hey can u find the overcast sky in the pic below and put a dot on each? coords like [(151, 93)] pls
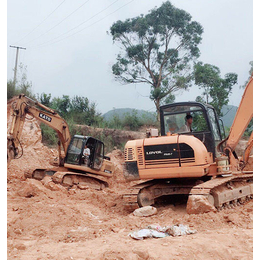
[(68, 50)]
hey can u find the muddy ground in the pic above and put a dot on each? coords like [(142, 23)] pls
[(48, 221)]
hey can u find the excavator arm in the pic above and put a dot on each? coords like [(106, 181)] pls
[(25, 106), (241, 121)]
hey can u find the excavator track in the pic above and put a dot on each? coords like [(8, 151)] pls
[(220, 192), (69, 179), (130, 198), (83, 181), (225, 192), (145, 193)]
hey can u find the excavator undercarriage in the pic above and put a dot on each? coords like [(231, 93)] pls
[(68, 178), (220, 192)]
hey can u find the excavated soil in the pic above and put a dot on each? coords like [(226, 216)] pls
[(48, 221)]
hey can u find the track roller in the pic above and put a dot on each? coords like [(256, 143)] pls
[(145, 197)]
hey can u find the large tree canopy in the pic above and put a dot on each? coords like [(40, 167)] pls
[(157, 50), (216, 89)]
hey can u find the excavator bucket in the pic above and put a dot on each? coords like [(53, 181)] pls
[(11, 151)]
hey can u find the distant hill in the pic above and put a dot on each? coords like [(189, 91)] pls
[(121, 112), (228, 111)]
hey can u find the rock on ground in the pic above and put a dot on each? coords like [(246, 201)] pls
[(145, 211), (199, 204)]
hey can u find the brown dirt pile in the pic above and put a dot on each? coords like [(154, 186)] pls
[(33, 153), (48, 221)]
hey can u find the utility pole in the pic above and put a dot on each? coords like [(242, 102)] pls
[(16, 60)]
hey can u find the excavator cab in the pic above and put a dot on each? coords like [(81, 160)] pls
[(75, 154), (205, 123)]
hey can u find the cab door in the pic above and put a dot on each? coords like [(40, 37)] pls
[(75, 149), (98, 155)]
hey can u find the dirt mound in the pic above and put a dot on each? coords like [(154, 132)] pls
[(117, 158)]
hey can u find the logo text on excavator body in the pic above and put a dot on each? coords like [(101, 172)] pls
[(45, 117)]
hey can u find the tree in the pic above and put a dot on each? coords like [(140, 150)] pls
[(78, 109), (84, 112), (158, 48), (62, 105), (216, 89), (132, 120), (11, 90), (45, 99), (250, 74), (22, 84)]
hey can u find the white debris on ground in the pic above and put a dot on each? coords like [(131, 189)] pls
[(157, 231)]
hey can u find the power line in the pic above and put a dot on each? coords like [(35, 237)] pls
[(78, 24), (42, 21), (59, 22), (90, 24)]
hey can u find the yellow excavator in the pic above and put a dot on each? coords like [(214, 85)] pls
[(72, 167), (191, 157)]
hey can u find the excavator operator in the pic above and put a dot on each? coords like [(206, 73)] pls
[(86, 154), (187, 126)]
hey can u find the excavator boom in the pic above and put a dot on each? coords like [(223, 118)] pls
[(25, 106), (243, 117)]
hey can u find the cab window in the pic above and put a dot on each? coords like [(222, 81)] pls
[(175, 122), (214, 123), (74, 151)]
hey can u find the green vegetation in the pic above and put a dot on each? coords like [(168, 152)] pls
[(159, 48), (22, 85), (216, 89), (79, 112), (250, 74), (249, 129), (129, 119)]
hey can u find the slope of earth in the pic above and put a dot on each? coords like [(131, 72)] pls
[(48, 221)]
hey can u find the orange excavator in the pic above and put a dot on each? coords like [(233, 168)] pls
[(192, 158), (72, 167)]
